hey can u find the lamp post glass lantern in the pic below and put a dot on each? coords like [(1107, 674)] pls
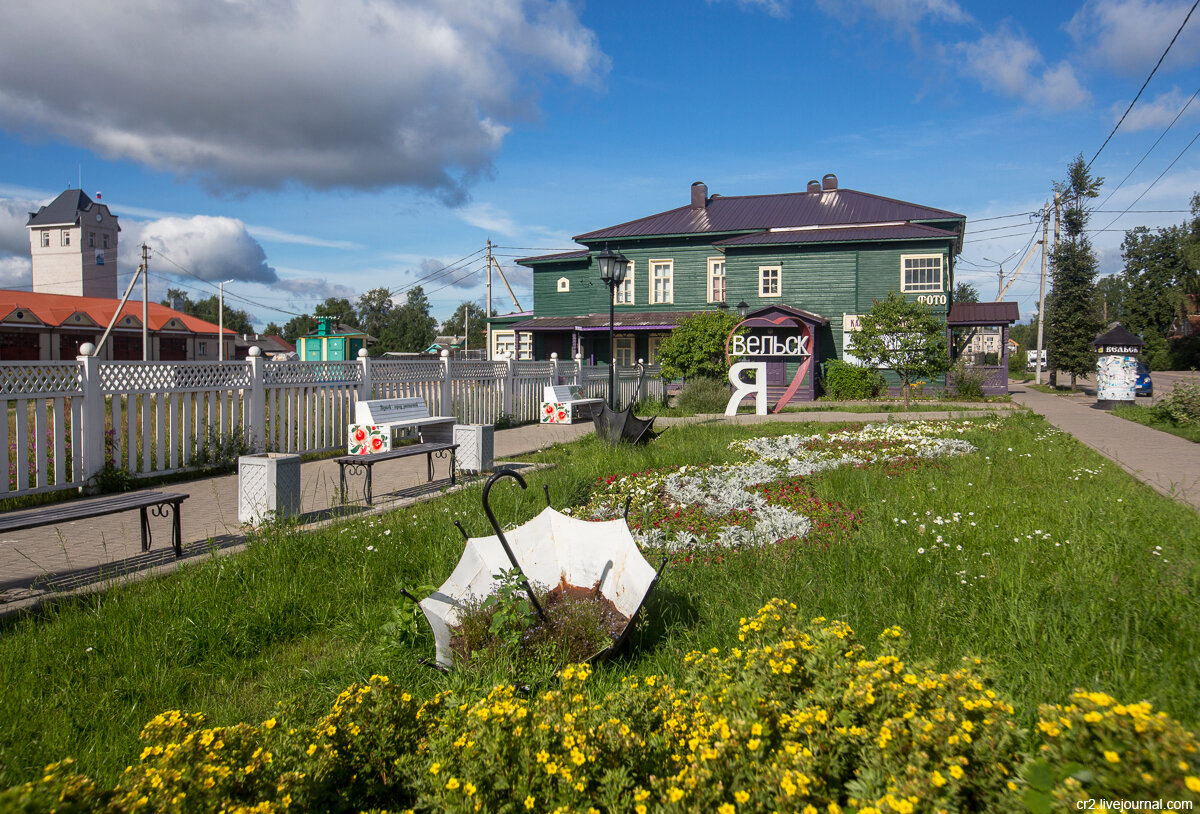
[(612, 271), (743, 309)]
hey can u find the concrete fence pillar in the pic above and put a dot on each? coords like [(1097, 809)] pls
[(507, 398), (366, 383), (554, 374), (256, 416), (447, 407), (94, 428)]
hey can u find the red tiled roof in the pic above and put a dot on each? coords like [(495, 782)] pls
[(55, 309)]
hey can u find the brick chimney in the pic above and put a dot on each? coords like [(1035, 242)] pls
[(814, 186), (829, 182), (699, 195)]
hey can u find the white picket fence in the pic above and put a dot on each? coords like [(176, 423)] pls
[(67, 421)]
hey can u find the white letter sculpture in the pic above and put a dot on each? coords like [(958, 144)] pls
[(742, 389)]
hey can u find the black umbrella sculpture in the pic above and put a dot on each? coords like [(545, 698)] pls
[(617, 426)]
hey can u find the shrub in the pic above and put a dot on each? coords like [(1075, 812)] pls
[(704, 395), (1181, 406), (964, 380), (847, 382), (696, 347)]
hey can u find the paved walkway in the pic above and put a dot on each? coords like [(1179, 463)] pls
[(84, 555), (1169, 464)]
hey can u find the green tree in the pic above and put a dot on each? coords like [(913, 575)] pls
[(272, 329), (206, 309), (965, 292), (415, 328), (696, 348), (1154, 276), (339, 308), (1109, 300), (1071, 321), (297, 327), (375, 312), (903, 336), (468, 315)]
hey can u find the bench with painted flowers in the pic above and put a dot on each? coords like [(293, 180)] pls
[(566, 404)]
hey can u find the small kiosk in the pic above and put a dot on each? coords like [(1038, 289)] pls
[(1116, 366)]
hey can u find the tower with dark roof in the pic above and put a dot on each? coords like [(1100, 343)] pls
[(73, 243)]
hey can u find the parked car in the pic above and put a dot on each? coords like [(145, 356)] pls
[(1144, 386)]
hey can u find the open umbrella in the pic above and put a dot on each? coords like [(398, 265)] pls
[(617, 426), (549, 549)]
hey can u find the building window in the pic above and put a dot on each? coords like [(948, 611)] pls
[(623, 294), (652, 348), (564, 285), (922, 272), (716, 279), (202, 348), (66, 237), (624, 351), (662, 273), (768, 281), (45, 240), (91, 240), (105, 239)]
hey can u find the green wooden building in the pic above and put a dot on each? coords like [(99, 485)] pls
[(827, 252), (331, 342)]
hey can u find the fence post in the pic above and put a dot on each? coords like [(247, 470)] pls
[(509, 386), (366, 384), (93, 414), (554, 380), (641, 382), (447, 407), (579, 377), (257, 420)]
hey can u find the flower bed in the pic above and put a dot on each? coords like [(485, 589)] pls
[(761, 499), (799, 716)]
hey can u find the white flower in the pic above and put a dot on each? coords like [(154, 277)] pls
[(370, 548), (920, 551)]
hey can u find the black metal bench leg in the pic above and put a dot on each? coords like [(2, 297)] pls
[(145, 529), (368, 489), (453, 469), (176, 532), (429, 465), (342, 482)]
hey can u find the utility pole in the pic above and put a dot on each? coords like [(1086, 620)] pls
[(145, 303), (1057, 213), (221, 320), (1042, 288), (999, 278), (487, 312)]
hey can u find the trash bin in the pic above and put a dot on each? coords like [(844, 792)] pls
[(268, 487), (476, 447)]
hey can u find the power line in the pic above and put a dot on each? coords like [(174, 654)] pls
[(1144, 84), (1150, 150), (1160, 175), (435, 273)]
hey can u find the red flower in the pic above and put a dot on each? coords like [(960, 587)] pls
[(359, 434), (377, 443), (562, 415)]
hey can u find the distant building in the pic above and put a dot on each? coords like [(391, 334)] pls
[(332, 342), (49, 327), (504, 339), (270, 345), (73, 243)]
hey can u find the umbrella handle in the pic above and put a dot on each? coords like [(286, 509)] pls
[(461, 530), (546, 490), (628, 500), (487, 509)]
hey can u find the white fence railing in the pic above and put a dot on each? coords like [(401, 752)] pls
[(67, 421)]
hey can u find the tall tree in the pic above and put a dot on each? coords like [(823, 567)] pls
[(468, 319), (415, 328), (374, 311), (965, 292), (340, 308), (1153, 276), (297, 327), (696, 347), (1072, 323), (206, 309), (903, 336), (1109, 301)]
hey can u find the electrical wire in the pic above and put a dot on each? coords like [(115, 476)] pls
[(1156, 180), (1144, 84)]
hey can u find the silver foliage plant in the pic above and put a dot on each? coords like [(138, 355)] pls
[(729, 487)]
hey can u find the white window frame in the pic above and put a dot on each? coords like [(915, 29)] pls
[(201, 348), (564, 285), (713, 262), (625, 350), (45, 240), (66, 237), (623, 294), (763, 288), (922, 287), (669, 282)]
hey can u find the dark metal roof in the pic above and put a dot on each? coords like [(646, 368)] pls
[(62, 210), (839, 234), (544, 258), (757, 212), (983, 313), (764, 312), (1118, 334), (591, 322)]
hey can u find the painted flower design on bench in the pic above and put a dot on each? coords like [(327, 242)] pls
[(366, 439)]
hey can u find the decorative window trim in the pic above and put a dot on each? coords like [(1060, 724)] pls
[(669, 288), (564, 285), (922, 287), (45, 240), (764, 289), (713, 262), (66, 237), (625, 350), (652, 344), (625, 293)]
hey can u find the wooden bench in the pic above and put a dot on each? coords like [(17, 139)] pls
[(379, 424), (362, 464), (146, 502), (566, 404)]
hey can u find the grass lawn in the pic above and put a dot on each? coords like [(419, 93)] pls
[(1055, 567), (1144, 415)]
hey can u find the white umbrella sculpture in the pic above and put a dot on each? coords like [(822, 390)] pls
[(552, 549)]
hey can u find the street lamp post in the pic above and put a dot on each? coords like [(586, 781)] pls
[(743, 309), (612, 271)]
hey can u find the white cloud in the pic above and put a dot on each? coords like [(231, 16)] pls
[(1156, 113), (1009, 64), (213, 249), (16, 272), (315, 289), (1130, 35), (14, 237), (489, 218), (775, 8), (905, 14), (321, 93)]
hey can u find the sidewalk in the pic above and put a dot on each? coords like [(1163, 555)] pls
[(1168, 464)]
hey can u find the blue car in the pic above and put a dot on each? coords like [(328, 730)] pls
[(1144, 386)]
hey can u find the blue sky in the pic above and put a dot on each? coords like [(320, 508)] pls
[(314, 148)]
